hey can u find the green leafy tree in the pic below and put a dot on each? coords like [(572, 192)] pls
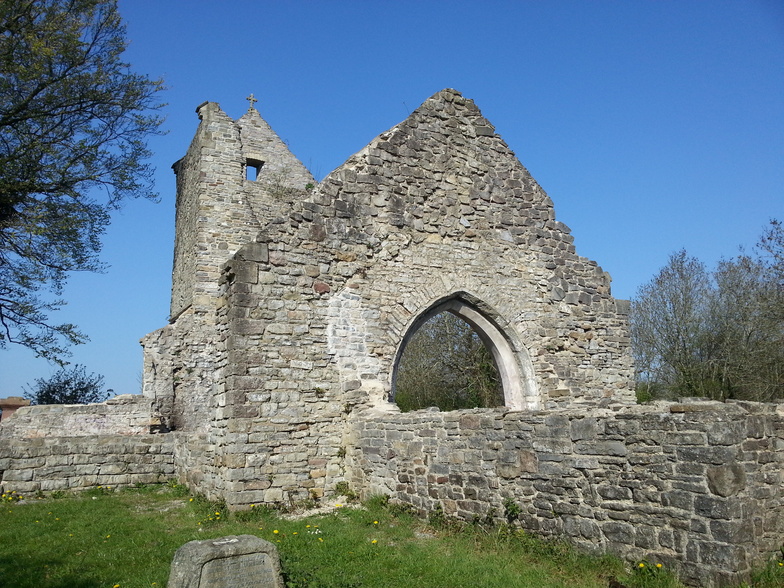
[(445, 364), (73, 125), (671, 337), (717, 334), (71, 385), (748, 313)]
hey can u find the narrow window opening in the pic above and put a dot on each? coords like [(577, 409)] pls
[(253, 169), (446, 364)]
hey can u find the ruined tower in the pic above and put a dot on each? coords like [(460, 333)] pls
[(235, 178)]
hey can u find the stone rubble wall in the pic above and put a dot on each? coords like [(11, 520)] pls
[(46, 464), (182, 367), (127, 414), (291, 305), (304, 322), (218, 211), (311, 314), (697, 487)]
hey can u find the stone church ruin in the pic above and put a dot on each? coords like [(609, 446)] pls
[(292, 301)]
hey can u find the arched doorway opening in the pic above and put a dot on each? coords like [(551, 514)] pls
[(510, 360)]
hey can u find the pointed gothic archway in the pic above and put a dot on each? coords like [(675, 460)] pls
[(510, 356)]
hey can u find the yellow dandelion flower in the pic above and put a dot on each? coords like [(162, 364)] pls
[(338, 505), (374, 541), (642, 565), (307, 526), (320, 539), (190, 500), (276, 531), (295, 533), (658, 565), (375, 522)]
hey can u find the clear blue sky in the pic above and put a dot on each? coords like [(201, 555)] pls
[(653, 126)]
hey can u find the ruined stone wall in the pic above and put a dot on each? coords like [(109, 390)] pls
[(63, 447), (182, 369), (313, 311), (188, 193), (275, 426), (28, 465), (127, 414), (697, 487), (218, 211), (282, 365)]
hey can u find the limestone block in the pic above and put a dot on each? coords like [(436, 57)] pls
[(717, 508), (726, 480), (258, 252)]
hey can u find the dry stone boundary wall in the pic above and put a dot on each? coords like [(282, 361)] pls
[(77, 463), (694, 486), (127, 414)]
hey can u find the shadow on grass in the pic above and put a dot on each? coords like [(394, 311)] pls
[(43, 572)]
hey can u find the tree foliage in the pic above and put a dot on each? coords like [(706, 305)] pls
[(73, 124), (717, 334), (445, 364), (72, 385)]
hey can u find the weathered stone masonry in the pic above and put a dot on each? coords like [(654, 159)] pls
[(689, 485), (292, 303)]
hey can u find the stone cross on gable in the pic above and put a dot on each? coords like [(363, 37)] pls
[(251, 99)]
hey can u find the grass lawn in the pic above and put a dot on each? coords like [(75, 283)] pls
[(126, 539)]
